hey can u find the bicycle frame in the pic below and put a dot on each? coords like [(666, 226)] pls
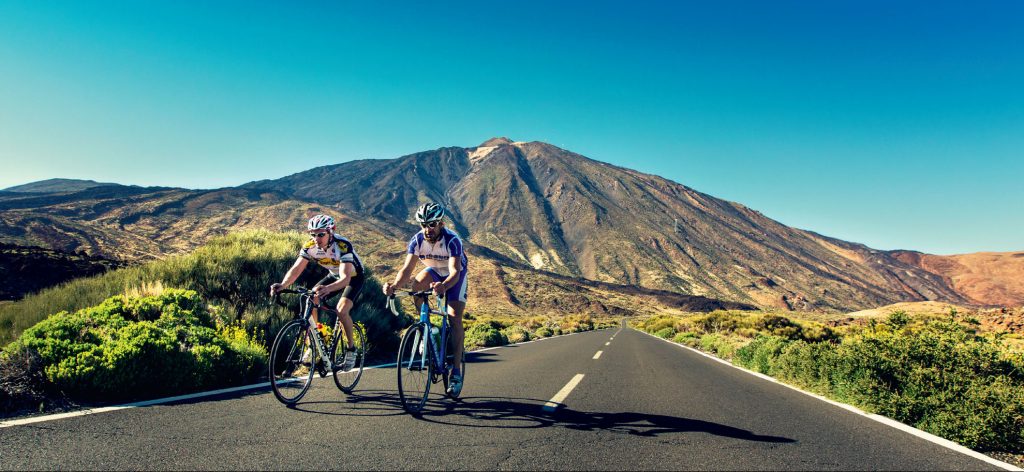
[(306, 301), (440, 352)]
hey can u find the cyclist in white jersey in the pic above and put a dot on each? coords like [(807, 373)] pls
[(440, 250), (345, 276)]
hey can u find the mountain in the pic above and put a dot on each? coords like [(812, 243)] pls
[(29, 269), (564, 213), (988, 278), (57, 185), (137, 224), (545, 210)]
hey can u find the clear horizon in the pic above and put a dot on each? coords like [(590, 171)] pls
[(898, 126)]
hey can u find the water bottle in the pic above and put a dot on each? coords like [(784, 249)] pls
[(436, 336)]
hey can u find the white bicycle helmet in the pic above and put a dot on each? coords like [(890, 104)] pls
[(429, 212), (320, 222)]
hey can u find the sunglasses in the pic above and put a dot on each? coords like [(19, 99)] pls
[(432, 224), (318, 235)]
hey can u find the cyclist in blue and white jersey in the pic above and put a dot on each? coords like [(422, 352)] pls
[(335, 254), (440, 250)]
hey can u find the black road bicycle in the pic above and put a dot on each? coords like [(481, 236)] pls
[(300, 349)]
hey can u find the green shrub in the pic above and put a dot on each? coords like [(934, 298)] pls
[(759, 354), (942, 378), (718, 345), (718, 321), (686, 338), (577, 323), (485, 334), (898, 319), (126, 348), (778, 326), (543, 332), (666, 333), (516, 334)]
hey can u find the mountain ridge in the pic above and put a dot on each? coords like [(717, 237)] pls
[(568, 215)]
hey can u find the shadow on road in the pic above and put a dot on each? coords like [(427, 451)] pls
[(486, 412)]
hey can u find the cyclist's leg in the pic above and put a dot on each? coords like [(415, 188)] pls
[(422, 282), (324, 281), (345, 304), (455, 311), (456, 297)]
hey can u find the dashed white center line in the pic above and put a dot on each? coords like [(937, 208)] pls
[(607, 343), (556, 401), (598, 354)]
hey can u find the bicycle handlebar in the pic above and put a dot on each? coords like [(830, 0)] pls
[(390, 303), (302, 292)]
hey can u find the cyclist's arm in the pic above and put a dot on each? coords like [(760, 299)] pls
[(405, 273), (344, 277), (453, 273), (294, 272)]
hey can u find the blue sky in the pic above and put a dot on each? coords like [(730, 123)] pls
[(899, 125)]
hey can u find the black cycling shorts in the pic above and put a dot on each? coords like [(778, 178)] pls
[(355, 285)]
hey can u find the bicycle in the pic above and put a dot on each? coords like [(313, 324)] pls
[(422, 359), (299, 349)]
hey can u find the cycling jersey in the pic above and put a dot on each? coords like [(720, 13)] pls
[(435, 255), (339, 251)]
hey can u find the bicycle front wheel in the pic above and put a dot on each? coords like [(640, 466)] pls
[(291, 371), (415, 368), (346, 379)]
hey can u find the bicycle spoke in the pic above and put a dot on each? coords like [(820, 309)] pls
[(346, 379), (414, 369), (290, 372)]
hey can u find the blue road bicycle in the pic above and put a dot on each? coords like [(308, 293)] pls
[(422, 358)]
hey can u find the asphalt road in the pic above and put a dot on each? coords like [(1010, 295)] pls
[(642, 404)]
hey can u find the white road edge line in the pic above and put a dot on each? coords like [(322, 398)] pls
[(559, 397), (879, 418), (158, 401), (598, 354)]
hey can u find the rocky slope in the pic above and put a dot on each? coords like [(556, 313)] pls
[(531, 203)]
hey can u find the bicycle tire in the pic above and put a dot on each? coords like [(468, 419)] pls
[(346, 380), (415, 368), (286, 366)]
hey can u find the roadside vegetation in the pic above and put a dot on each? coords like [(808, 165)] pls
[(936, 372), (190, 323)]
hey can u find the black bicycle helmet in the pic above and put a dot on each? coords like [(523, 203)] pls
[(429, 212)]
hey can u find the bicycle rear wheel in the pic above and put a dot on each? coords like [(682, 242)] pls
[(290, 374), (346, 380), (415, 368)]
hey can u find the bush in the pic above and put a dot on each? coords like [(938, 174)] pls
[(127, 348), (666, 333), (543, 332), (577, 323), (689, 339), (718, 321), (759, 354), (485, 334), (943, 379), (718, 345), (778, 326), (516, 334)]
